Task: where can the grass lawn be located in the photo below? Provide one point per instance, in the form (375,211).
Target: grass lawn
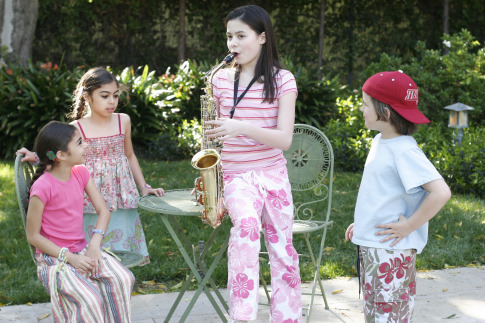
(456,237)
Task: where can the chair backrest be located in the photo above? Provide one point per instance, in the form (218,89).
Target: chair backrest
(23,173)
(310,163)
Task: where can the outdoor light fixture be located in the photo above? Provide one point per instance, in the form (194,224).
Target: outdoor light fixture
(458,118)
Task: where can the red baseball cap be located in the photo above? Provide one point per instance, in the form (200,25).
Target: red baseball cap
(399,91)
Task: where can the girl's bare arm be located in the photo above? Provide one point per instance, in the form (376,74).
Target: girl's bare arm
(133,161)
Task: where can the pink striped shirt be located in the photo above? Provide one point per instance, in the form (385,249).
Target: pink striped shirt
(244,154)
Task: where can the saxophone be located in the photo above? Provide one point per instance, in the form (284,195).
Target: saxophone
(209,186)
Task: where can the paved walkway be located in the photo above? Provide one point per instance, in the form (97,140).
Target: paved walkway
(450,295)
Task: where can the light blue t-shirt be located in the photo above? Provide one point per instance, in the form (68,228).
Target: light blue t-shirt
(394,171)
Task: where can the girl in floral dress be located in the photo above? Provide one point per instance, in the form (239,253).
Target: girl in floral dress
(110,160)
(256,125)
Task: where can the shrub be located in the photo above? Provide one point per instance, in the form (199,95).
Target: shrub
(187,143)
(316,98)
(30,97)
(186,87)
(462,166)
(349,137)
(168,102)
(143,103)
(315,105)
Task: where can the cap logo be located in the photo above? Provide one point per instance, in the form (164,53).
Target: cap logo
(411,95)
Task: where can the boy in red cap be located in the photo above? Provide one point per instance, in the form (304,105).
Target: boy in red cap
(400,192)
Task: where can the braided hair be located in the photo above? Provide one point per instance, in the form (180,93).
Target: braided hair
(91,80)
(53,137)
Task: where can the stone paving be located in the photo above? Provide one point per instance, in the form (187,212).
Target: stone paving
(451,295)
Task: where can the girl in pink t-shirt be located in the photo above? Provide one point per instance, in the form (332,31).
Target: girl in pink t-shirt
(256,102)
(85,284)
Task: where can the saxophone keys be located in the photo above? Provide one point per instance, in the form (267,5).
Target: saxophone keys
(201,200)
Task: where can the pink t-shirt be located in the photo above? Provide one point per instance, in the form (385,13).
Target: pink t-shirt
(62,219)
(242,154)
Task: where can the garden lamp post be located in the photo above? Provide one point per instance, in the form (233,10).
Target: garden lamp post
(458,118)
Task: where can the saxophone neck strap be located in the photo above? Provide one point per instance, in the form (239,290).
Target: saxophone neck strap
(236,88)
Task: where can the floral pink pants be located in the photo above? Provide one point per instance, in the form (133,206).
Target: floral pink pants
(389,284)
(262,200)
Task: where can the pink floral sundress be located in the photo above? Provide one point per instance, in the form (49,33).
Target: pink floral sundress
(111,173)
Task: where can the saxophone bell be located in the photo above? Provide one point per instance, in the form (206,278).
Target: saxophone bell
(209,185)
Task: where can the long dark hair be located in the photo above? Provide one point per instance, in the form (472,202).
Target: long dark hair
(53,137)
(268,64)
(90,81)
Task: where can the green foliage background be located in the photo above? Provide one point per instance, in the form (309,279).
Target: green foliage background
(136,33)
(29,98)
(443,79)
(165,109)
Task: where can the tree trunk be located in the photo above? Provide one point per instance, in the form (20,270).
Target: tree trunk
(181,41)
(321,38)
(446,15)
(446,28)
(351,42)
(17,28)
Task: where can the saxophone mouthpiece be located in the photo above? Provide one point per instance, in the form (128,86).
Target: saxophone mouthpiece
(230,57)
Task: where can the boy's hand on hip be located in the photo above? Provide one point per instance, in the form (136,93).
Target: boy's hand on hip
(349,233)
(397,230)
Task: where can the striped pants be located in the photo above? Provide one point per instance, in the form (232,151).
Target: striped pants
(262,200)
(79,297)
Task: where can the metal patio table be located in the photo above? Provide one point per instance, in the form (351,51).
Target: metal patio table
(177,203)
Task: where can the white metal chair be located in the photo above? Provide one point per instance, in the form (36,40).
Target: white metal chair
(23,174)
(310,164)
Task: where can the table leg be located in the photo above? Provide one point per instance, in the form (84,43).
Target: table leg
(202,285)
(185,286)
(194,273)
(199,260)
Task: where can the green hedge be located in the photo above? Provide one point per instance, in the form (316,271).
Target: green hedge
(461,165)
(315,104)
